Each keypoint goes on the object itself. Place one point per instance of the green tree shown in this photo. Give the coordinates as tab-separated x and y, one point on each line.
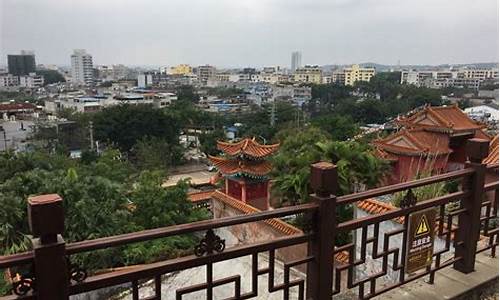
291	165
98	197
51	76
208	141
125	125
224	92
300	148
187	93
153	153
356	166
339	127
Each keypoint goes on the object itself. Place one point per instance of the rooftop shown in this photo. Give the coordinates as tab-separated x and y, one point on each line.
416	142
248	147
442	118
236	167
492	158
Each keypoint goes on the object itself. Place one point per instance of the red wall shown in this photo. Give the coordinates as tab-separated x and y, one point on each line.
407	167
234	189
256	190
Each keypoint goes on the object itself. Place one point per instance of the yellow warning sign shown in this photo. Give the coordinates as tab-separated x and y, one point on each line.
423	226
420	240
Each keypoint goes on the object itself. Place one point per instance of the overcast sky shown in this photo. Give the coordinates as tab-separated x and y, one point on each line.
235	33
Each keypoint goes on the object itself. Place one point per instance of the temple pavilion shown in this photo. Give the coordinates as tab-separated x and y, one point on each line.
245	168
431	140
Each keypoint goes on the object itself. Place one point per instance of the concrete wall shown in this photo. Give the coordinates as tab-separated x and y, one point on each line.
250	233
372	266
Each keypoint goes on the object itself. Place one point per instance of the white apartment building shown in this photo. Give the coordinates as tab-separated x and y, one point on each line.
444	78
482	74
31	81
8	80
82	71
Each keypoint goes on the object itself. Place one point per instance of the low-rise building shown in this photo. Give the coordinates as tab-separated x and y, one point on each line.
308	74
464	77
31	80
357	73
338	76
8	81
204	73
297	95
479	73
182	69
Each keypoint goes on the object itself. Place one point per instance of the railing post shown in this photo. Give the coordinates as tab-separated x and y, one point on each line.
469	223
46	220
320	270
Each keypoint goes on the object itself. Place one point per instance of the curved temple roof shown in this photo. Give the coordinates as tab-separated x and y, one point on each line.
492	158
248	147
414	142
231	166
442	118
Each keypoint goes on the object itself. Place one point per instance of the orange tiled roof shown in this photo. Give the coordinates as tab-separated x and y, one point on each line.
200	196
248	209
383	154
373	207
248	147
233	166
480	134
277	224
492	158
414	142
444	118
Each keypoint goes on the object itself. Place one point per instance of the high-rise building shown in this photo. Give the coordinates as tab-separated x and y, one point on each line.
82	71
296	60
21	64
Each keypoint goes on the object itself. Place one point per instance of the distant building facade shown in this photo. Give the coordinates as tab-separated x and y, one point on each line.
204	73
8	81
308	74
181	69
31	80
296	61
357	73
82	69
21	64
463	78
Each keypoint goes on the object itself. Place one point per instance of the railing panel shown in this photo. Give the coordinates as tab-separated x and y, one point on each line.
155	269
457	230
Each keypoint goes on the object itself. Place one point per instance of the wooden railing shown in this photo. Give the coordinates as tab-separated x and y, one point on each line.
53	276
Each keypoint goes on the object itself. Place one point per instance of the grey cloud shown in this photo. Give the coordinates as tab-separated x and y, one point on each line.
252	32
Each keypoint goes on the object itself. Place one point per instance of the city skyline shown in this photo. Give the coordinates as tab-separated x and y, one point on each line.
252	33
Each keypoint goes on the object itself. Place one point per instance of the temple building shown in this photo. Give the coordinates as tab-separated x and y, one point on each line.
245	168
432	140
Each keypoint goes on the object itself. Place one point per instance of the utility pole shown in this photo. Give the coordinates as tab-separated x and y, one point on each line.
273	114
4	137
91	129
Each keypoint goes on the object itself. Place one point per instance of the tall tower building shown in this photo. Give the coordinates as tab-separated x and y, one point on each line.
82	71
296	60
21	64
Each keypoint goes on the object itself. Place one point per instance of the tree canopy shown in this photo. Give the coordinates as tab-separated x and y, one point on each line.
101	197
125	125
51	76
